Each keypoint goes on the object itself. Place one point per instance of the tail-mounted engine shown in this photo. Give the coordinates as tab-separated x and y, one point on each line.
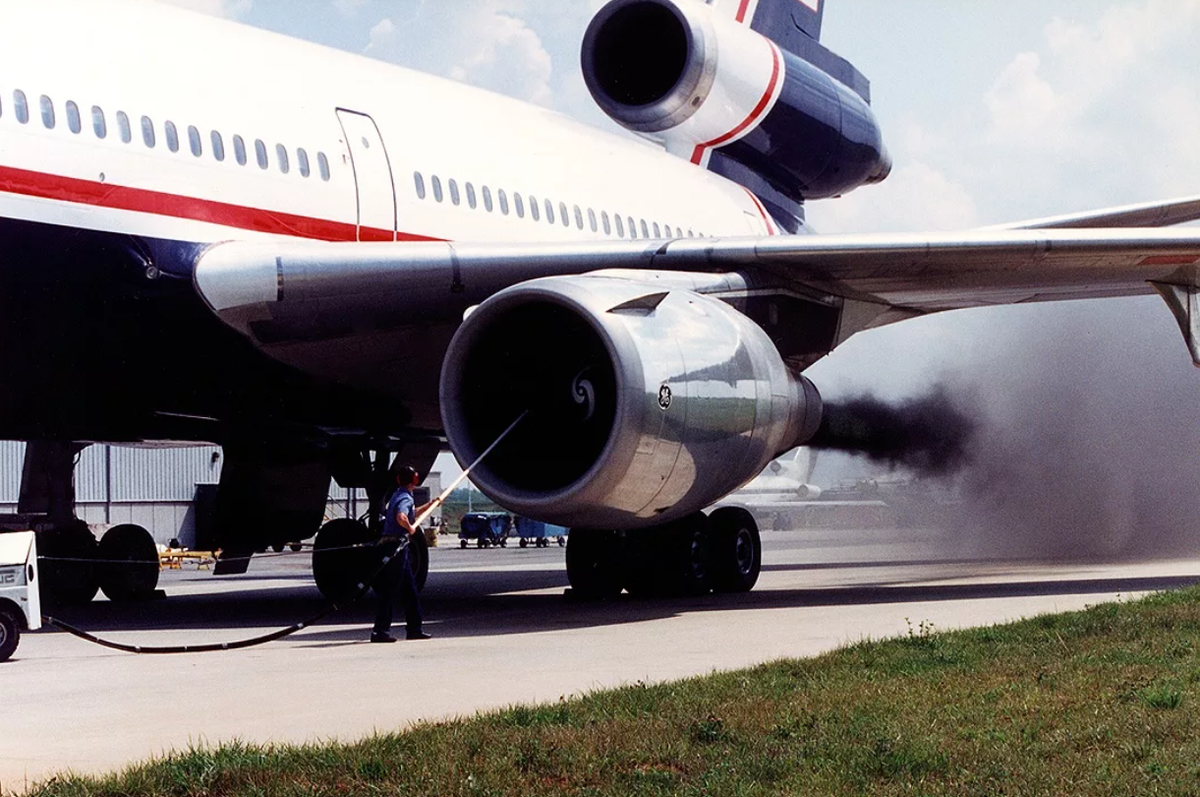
643	405
676	72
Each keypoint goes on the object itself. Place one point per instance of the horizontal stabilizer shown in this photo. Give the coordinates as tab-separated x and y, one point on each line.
1146	214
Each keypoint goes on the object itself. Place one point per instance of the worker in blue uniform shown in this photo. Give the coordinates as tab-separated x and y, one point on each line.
397	579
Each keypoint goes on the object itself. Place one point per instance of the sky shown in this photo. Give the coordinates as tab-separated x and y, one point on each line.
993	111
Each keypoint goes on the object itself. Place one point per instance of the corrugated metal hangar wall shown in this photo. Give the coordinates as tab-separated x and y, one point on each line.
153	487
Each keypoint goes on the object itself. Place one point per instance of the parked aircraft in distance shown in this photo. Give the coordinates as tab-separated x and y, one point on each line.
214	233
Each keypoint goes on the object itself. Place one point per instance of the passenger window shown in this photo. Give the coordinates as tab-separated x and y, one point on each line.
148	131
487	199
123	127
620	225
260	152
436	182
47	112
632	229
503	197
657	231
419	182
562	214
218	146
455	198
281	154
21	106
172	135
194	141
592	220
645	229
99	123
73	122
471	196
549	211
534	210
678	232
578	217
323	165
302	162
519	204
239	150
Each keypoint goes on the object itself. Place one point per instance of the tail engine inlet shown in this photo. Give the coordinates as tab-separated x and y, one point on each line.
676	72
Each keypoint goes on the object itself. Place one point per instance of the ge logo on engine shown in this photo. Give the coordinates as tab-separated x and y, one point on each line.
664	398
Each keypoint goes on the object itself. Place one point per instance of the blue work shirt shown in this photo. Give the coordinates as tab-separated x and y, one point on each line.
401	501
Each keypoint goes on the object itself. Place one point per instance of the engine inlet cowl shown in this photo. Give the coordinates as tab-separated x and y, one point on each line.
644	405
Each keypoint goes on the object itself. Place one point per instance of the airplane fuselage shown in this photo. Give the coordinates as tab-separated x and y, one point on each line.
133	135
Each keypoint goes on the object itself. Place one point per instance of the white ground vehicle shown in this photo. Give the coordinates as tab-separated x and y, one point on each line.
20	607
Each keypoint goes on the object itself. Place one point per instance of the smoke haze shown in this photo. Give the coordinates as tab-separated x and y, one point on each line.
1073	434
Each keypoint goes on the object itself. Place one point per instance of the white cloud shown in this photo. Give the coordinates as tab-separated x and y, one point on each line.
1104	109
915	197
482	42
232	9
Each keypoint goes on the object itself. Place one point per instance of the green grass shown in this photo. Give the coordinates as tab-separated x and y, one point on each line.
1102	701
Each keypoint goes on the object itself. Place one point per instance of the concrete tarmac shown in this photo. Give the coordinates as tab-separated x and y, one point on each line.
503	634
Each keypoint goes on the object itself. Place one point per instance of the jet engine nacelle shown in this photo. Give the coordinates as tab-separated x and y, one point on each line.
676	72
643	405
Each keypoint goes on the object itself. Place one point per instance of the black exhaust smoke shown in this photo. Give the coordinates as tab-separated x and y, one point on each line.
930	435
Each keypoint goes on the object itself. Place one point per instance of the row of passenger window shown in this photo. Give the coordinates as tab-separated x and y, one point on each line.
618	224
171	135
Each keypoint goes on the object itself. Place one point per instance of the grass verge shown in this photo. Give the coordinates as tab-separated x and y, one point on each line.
1101	701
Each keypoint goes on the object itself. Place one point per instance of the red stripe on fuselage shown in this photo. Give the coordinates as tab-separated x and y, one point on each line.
158	203
698	153
762	211
742	9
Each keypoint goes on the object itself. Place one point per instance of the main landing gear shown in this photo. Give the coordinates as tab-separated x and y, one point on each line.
344	558
73	565
721	552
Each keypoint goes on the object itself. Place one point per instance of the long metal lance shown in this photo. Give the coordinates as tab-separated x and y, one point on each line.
462	477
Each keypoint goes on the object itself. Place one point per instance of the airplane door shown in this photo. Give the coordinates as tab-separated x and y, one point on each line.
372	177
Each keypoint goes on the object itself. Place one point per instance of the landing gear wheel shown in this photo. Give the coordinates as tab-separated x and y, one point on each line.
737	549
418	552
524	542
338	569
10	635
594	563
128	567
674	559
462	543
67	566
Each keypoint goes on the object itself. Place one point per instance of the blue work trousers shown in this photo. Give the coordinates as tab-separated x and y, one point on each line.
396	581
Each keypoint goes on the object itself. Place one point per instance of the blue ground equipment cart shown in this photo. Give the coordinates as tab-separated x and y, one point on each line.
20	608
539	534
486	528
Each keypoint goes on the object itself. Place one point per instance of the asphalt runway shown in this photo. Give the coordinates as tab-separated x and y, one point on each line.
503	634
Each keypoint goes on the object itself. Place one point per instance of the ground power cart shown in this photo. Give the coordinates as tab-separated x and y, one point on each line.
488	529
539	534
20	607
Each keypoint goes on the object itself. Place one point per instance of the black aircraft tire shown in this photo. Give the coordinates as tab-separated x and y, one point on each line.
594	563
10	635
67	565
128	567
338	569
418	553
737	550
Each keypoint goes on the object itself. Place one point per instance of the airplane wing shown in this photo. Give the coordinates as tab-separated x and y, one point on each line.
282	294
1146	214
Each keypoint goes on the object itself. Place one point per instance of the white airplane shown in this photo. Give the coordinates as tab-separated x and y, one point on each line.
213	233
